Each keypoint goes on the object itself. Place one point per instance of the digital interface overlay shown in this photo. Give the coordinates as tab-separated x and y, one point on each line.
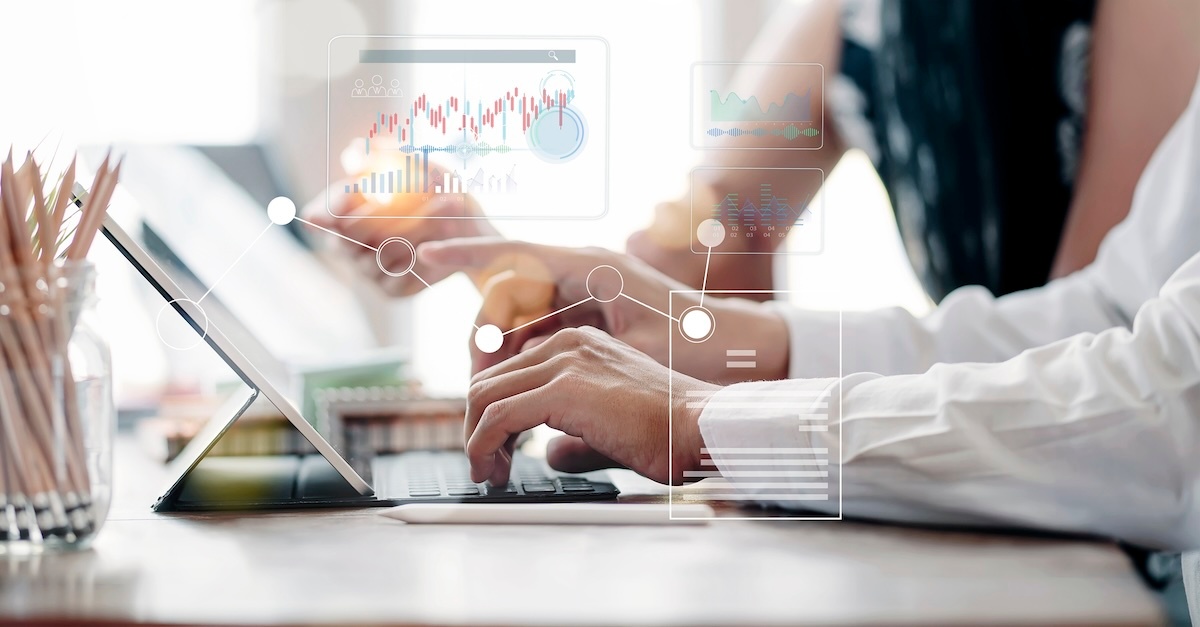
519	123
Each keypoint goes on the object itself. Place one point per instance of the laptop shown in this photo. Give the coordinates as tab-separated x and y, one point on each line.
204	482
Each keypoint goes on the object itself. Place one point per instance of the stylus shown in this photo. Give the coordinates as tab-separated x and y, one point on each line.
551	513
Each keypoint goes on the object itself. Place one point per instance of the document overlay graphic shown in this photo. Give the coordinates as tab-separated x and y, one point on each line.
793	478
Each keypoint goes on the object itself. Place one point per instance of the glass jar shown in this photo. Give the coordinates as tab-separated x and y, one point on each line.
57	419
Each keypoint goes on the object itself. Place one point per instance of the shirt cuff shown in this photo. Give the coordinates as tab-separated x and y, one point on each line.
814	340
769	440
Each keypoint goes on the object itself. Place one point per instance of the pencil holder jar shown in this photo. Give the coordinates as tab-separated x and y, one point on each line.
57	417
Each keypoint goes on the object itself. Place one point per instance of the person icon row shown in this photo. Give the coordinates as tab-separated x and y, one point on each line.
376	90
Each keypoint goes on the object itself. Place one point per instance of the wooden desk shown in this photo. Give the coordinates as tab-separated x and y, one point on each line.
350	567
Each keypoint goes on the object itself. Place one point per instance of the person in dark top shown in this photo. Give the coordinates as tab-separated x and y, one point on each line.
976	107
1008	134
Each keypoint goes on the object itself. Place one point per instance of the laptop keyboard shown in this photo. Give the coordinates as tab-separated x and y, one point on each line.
445	475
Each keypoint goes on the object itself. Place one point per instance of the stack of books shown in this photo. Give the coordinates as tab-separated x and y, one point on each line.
359	421
366	421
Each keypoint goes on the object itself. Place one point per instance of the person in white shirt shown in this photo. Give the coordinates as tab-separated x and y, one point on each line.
1072	407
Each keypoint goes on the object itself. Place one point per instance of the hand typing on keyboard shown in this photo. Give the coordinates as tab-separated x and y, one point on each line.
606	396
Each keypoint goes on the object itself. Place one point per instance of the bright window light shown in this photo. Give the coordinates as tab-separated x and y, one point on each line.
130	70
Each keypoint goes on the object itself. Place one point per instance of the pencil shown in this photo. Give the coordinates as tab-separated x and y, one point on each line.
45	488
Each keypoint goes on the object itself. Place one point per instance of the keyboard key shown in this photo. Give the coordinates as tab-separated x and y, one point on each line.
539	488
578	488
463	491
416	493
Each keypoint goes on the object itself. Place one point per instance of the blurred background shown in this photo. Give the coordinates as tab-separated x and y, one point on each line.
225	102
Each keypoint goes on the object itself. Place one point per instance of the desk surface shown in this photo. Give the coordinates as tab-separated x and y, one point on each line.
345	567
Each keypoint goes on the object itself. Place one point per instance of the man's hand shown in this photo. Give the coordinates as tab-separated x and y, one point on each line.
417	218
614	403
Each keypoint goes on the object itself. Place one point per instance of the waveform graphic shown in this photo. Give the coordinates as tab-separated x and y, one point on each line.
789	132
734	109
481	148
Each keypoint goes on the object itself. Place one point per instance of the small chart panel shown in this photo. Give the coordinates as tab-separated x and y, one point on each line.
755	209
789	115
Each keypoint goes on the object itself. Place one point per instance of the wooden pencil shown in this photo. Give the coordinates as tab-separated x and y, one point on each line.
44	480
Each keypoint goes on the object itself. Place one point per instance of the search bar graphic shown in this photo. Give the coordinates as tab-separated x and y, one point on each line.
557	55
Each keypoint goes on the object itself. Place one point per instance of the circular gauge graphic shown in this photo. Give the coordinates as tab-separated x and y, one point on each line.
559	132
557	135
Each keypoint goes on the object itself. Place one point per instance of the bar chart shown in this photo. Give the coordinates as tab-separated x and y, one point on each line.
414	177
767	210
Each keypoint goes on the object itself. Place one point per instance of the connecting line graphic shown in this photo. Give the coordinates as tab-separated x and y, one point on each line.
379	252
657	311
235	262
334	233
696	323
549	315
281	211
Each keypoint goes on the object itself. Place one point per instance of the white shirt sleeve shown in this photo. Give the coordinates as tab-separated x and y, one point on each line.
1096	433
1132	264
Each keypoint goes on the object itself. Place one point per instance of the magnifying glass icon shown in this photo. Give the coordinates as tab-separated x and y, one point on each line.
552	55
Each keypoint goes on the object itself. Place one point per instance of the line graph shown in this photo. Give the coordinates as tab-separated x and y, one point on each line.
734	109
786	113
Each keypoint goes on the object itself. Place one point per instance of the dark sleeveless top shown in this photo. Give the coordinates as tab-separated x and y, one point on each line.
973	113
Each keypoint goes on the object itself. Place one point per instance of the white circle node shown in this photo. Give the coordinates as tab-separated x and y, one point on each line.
710	233
281	210
412	256
177	332
697	324
489	338
599	286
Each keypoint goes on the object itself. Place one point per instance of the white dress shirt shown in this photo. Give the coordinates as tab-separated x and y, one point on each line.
1075	406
